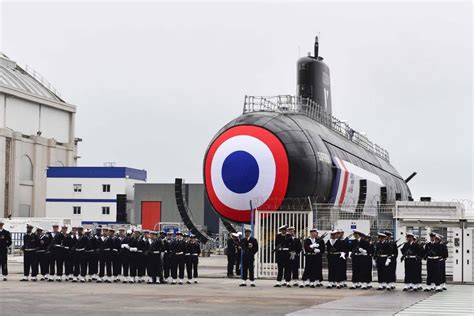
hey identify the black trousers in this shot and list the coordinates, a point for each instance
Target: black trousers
(283, 265)
(392, 270)
(309, 272)
(442, 271)
(105, 264)
(116, 264)
(166, 265)
(43, 260)
(336, 267)
(68, 263)
(141, 264)
(93, 262)
(194, 263)
(4, 261)
(433, 269)
(383, 272)
(356, 269)
(133, 264)
(52, 260)
(294, 268)
(230, 264)
(86, 257)
(365, 269)
(248, 268)
(154, 266)
(77, 259)
(125, 262)
(189, 266)
(177, 267)
(30, 263)
(238, 262)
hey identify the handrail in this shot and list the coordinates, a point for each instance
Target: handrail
(289, 104)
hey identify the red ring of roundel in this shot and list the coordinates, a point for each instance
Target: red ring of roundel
(281, 164)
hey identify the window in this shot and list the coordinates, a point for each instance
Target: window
(105, 187)
(26, 168)
(77, 187)
(76, 210)
(105, 210)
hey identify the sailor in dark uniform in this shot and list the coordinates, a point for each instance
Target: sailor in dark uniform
(360, 251)
(411, 255)
(295, 252)
(133, 244)
(195, 250)
(382, 254)
(187, 258)
(143, 247)
(52, 253)
(167, 256)
(5, 242)
(365, 253)
(42, 252)
(336, 260)
(282, 256)
(69, 244)
(124, 254)
(433, 254)
(177, 247)
(80, 263)
(313, 252)
(116, 263)
(392, 267)
(249, 246)
(30, 258)
(58, 253)
(444, 257)
(231, 254)
(87, 262)
(154, 258)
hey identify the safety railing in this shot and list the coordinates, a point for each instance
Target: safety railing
(296, 105)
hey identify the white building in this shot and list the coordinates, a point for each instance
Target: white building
(101, 195)
(36, 131)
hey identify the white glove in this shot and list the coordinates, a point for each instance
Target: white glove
(133, 249)
(387, 262)
(343, 255)
(317, 251)
(312, 246)
(122, 246)
(317, 245)
(363, 251)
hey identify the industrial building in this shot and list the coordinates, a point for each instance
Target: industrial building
(155, 205)
(36, 131)
(101, 195)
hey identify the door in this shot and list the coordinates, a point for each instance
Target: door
(151, 215)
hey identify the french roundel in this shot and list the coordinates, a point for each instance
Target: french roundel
(245, 163)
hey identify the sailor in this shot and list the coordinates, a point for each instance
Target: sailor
(195, 250)
(167, 256)
(133, 244)
(313, 252)
(143, 247)
(79, 256)
(177, 248)
(69, 244)
(58, 253)
(365, 253)
(187, 259)
(116, 262)
(92, 253)
(356, 254)
(392, 267)
(105, 270)
(282, 256)
(433, 254)
(154, 258)
(88, 256)
(249, 247)
(41, 253)
(5, 242)
(383, 253)
(442, 262)
(52, 252)
(238, 254)
(124, 253)
(231, 254)
(30, 259)
(346, 242)
(411, 254)
(336, 260)
(294, 260)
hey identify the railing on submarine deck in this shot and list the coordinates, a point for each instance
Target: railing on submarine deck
(298, 105)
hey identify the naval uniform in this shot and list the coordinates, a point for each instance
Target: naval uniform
(444, 256)
(392, 267)
(231, 256)
(56, 259)
(195, 250)
(105, 257)
(249, 249)
(5, 242)
(362, 252)
(412, 254)
(116, 260)
(80, 263)
(30, 259)
(43, 253)
(143, 246)
(177, 264)
(167, 258)
(154, 260)
(383, 252)
(294, 262)
(124, 255)
(433, 255)
(282, 248)
(92, 255)
(69, 243)
(313, 253)
(336, 262)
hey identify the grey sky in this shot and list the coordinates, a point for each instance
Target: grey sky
(154, 82)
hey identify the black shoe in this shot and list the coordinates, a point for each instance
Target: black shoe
(277, 285)
(312, 286)
(405, 289)
(301, 286)
(243, 284)
(288, 285)
(252, 285)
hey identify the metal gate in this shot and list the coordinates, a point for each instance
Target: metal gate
(266, 228)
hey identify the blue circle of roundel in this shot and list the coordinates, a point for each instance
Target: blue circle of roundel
(240, 172)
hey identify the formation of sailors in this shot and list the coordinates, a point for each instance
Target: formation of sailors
(79, 255)
(365, 254)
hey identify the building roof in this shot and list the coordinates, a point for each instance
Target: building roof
(14, 77)
(96, 172)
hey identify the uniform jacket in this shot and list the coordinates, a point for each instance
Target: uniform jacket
(249, 246)
(30, 241)
(5, 240)
(308, 242)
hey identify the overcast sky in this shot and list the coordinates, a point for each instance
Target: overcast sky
(153, 82)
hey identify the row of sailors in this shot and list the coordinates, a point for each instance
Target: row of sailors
(129, 257)
(364, 254)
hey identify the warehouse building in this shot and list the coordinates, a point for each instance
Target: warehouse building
(155, 206)
(36, 131)
(92, 195)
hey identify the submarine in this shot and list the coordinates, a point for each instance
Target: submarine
(286, 147)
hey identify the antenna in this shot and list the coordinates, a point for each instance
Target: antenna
(316, 47)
